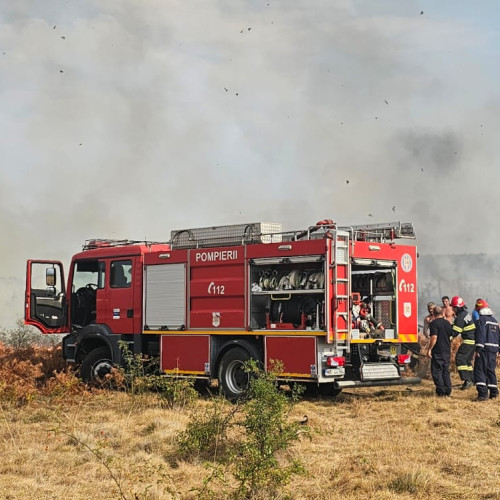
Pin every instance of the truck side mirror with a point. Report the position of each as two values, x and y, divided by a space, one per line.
50 277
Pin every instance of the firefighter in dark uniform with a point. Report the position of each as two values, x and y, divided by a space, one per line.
464 326
487 345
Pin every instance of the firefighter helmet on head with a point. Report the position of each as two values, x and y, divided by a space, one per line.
480 303
457 301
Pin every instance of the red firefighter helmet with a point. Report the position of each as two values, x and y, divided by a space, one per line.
457 301
480 303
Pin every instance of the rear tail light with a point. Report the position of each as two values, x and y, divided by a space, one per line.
335 361
404 359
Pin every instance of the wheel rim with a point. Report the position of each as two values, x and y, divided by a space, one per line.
236 377
101 369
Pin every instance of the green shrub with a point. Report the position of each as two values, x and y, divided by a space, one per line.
246 441
206 435
267 432
140 375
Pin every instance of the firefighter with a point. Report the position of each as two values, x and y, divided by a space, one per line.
465 327
440 352
487 341
478 306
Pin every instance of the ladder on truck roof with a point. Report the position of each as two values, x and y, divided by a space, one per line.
341 290
230 235
385 231
94 243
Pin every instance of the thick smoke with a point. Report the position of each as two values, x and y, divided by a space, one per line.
126 120
471 276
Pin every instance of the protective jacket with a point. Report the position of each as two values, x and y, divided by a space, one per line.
487 340
488 332
464 326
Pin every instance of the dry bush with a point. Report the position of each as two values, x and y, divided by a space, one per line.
28 371
455 344
420 365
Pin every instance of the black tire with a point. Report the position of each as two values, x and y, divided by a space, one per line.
329 390
233 378
96 365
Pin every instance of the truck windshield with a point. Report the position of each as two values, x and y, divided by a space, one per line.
86 273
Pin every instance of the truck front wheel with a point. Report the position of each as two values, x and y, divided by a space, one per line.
233 377
96 365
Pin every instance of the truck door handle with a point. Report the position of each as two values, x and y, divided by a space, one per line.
130 313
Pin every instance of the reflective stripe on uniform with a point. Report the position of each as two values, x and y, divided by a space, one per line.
470 327
491 345
468 342
481 383
457 329
464 368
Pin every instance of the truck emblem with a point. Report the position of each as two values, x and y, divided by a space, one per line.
215 319
407 309
406 262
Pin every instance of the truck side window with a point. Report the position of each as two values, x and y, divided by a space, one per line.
121 274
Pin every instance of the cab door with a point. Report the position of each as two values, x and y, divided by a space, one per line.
122 301
45 297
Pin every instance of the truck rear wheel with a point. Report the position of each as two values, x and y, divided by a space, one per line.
329 390
96 365
233 378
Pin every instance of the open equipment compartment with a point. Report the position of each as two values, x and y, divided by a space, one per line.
287 293
374 285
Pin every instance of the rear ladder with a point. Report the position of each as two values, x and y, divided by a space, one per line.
341 290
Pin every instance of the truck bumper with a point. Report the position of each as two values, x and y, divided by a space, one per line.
342 384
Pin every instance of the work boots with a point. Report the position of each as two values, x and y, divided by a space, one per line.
466 385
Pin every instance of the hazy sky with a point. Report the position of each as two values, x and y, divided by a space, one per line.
126 119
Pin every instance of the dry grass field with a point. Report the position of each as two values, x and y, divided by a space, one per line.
61 440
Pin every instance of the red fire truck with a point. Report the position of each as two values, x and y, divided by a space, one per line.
336 306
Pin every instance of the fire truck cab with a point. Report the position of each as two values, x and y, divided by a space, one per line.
335 306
